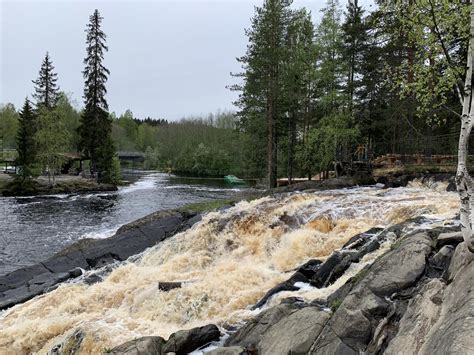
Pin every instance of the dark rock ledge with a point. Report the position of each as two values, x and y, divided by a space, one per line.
25 283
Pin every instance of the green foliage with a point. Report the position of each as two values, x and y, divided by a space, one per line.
51 138
328 142
438 32
46 89
8 126
335 304
96 125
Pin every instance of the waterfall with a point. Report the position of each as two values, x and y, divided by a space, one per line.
225 264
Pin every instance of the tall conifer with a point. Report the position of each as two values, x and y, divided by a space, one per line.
25 141
96 126
46 89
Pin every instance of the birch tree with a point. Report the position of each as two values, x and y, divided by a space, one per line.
442 32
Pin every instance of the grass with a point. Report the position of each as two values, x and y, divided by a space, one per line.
335 304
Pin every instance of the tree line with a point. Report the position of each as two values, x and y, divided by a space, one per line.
362 82
357 84
50 125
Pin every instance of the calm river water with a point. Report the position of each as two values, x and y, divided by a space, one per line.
34 228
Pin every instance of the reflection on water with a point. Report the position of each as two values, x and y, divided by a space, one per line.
33 228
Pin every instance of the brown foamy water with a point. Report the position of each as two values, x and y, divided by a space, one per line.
227 263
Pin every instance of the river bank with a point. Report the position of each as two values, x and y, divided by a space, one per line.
216 270
64 184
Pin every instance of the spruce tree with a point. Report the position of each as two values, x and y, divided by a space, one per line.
25 141
46 89
96 126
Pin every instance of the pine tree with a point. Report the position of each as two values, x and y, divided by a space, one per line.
96 126
355 41
260 98
25 141
46 89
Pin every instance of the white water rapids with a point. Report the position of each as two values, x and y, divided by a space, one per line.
227 262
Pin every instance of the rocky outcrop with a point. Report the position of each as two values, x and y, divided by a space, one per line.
284 329
417 298
26 283
179 343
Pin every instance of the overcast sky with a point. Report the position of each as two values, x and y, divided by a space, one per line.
167 59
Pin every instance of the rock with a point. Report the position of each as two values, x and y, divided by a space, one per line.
251 332
150 345
309 268
185 341
462 257
422 312
350 328
231 350
453 238
294 334
400 268
441 260
167 286
70 345
288 285
452 332
284 329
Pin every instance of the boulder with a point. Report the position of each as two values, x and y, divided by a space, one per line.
284 329
251 332
453 238
185 341
294 334
151 345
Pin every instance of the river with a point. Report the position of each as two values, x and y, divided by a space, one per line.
34 228
225 264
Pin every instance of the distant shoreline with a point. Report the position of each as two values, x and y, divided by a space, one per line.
65 184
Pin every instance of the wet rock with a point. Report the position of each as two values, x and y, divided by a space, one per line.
309 268
102 260
288 285
92 279
70 345
185 341
167 286
150 345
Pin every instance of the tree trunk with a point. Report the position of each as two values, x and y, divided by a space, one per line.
291 144
463 179
271 143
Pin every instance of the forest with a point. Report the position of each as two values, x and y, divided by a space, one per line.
355 85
